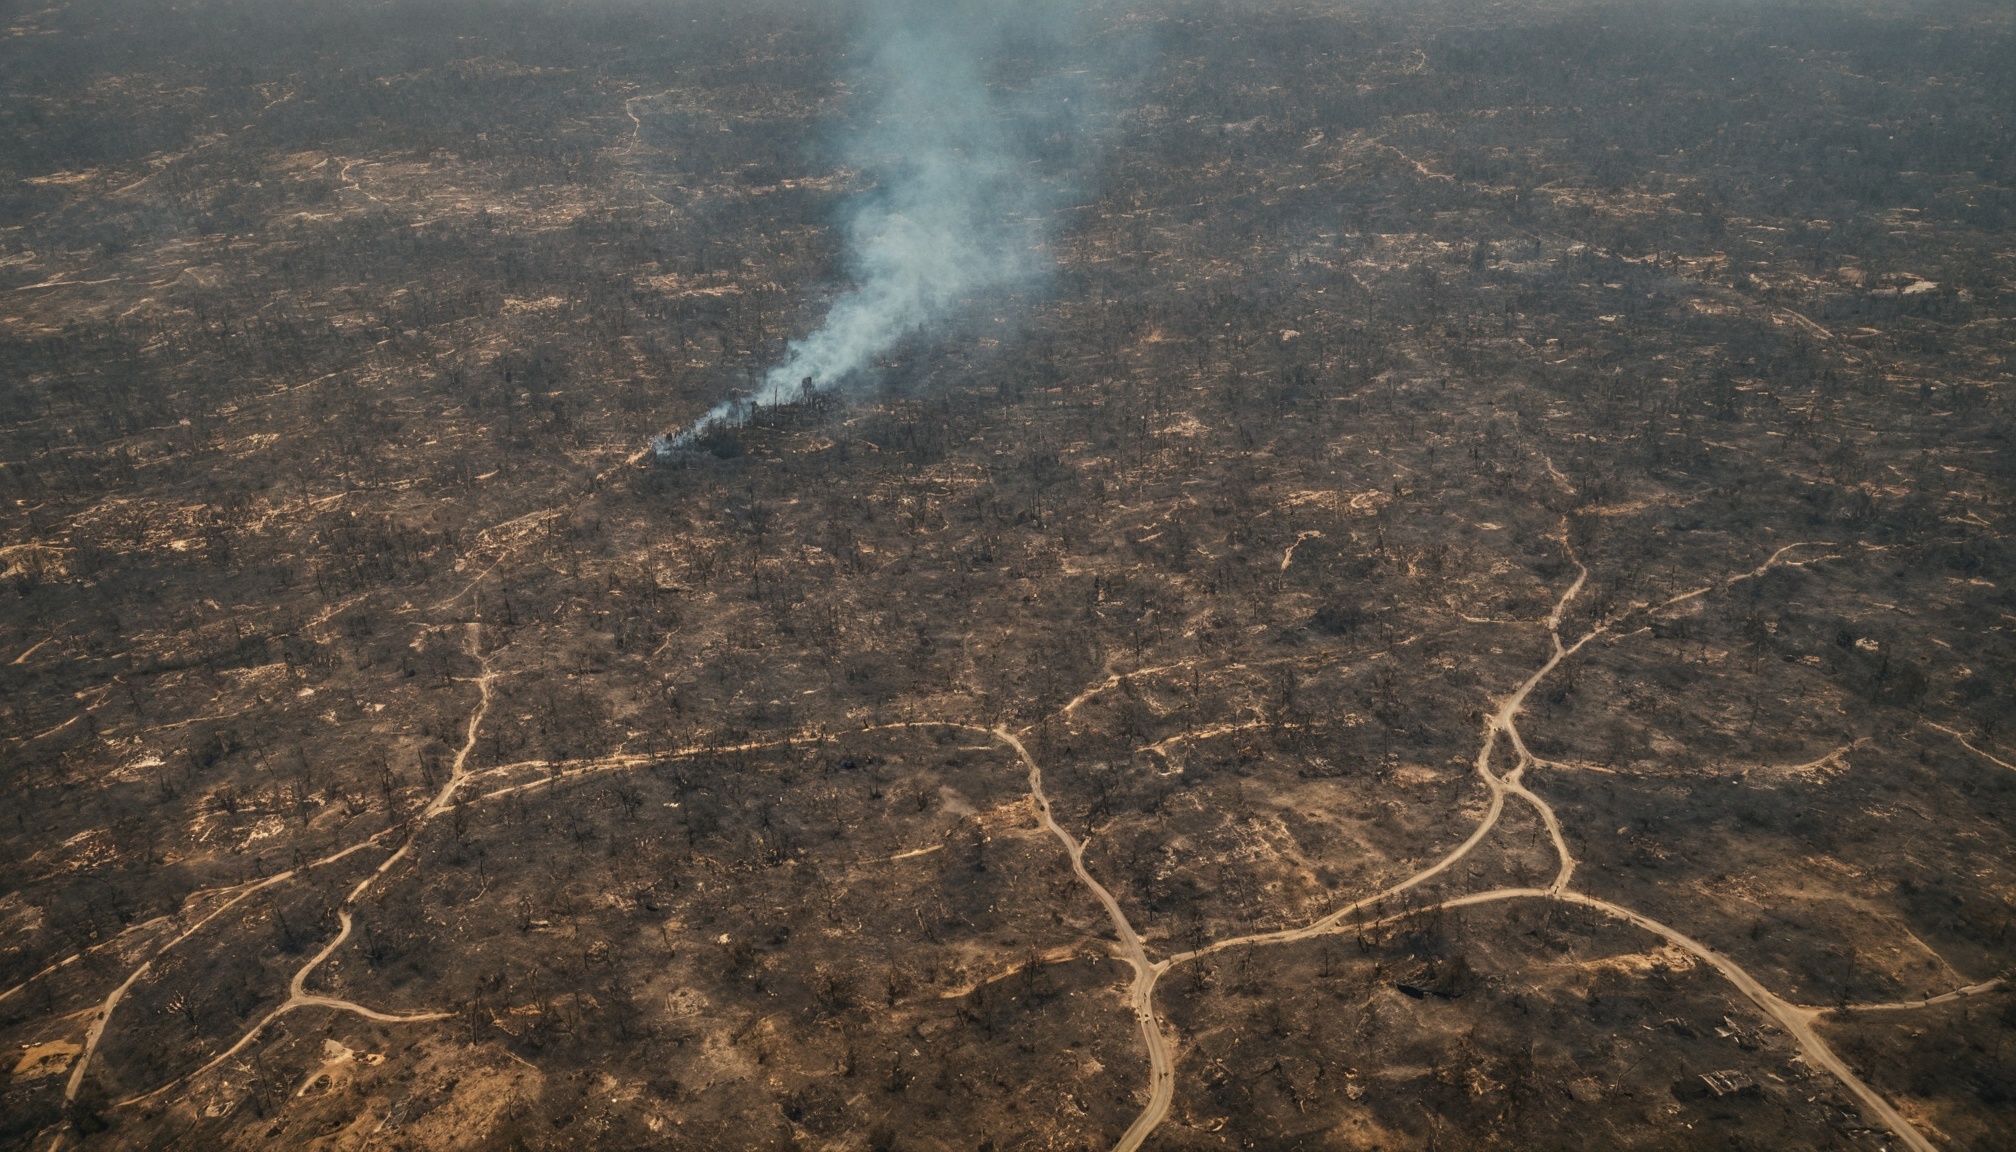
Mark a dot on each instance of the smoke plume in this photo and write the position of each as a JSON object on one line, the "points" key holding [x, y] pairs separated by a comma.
{"points": [[960, 194]]}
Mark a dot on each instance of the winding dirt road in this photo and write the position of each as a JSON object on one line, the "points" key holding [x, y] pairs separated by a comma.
{"points": [[1161, 1062], [1500, 727], [298, 996], [1796, 1020], [103, 1013]]}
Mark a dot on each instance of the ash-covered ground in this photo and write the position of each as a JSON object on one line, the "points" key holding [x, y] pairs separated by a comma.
{"points": [[1470, 608]]}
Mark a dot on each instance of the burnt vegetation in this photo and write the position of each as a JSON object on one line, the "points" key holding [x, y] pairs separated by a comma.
{"points": [[358, 656]]}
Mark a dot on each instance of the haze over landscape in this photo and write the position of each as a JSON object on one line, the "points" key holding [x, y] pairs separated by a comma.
{"points": [[873, 575]]}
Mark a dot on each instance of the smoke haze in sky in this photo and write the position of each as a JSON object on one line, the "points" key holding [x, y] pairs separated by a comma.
{"points": [[959, 200]]}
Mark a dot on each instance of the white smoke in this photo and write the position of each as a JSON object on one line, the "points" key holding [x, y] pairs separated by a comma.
{"points": [[958, 204]]}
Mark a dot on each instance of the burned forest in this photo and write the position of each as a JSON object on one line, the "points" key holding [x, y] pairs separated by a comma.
{"points": [[866, 576]]}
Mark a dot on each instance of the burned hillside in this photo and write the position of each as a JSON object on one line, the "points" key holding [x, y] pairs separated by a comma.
{"points": [[1468, 605]]}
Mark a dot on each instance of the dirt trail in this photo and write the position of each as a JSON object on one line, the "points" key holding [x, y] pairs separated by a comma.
{"points": [[1288, 557], [111, 1002], [1147, 975], [1899, 1005], [298, 995], [530, 522], [1777, 560], [1964, 743], [1162, 1065], [1111, 682], [1501, 725], [1796, 1020]]}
